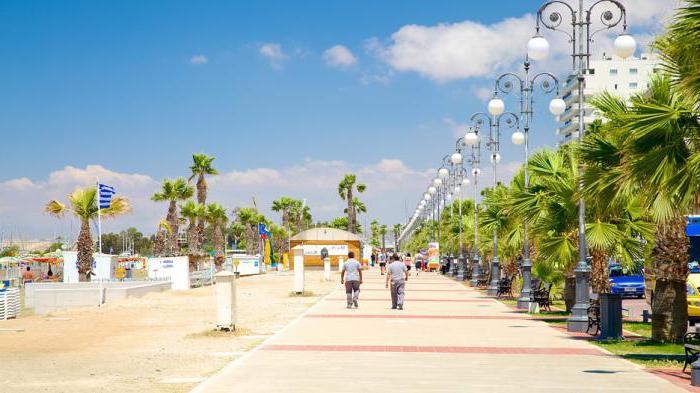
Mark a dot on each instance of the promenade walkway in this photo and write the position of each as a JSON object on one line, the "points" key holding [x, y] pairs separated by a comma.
{"points": [[449, 338]]}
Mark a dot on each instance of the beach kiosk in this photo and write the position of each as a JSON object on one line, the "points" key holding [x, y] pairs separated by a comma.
{"points": [[336, 241]]}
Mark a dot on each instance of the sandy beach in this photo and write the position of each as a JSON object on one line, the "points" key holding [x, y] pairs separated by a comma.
{"points": [[163, 342]]}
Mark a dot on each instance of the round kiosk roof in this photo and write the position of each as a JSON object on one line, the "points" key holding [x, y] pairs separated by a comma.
{"points": [[330, 234]]}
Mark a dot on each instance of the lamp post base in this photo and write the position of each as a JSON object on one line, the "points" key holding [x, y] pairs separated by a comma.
{"points": [[476, 273], [524, 303], [460, 269], [492, 290], [578, 322]]}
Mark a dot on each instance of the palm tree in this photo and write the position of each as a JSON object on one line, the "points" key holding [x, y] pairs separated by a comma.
{"points": [[284, 205], [216, 217], [249, 218], [83, 205], [201, 166], [162, 234], [382, 232], [173, 191], [193, 211], [346, 190], [374, 233], [397, 232], [660, 163]]}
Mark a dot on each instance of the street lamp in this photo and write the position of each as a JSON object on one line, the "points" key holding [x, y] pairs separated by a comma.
{"points": [[581, 37], [494, 122], [525, 87]]}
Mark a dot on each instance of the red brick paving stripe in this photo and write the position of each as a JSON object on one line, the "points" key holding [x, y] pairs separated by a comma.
{"points": [[436, 349], [424, 300], [675, 376], [413, 316]]}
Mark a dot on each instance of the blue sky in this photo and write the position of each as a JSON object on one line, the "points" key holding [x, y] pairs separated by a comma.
{"points": [[132, 88]]}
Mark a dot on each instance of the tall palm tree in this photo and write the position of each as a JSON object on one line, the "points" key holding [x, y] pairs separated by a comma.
{"points": [[173, 191], [397, 232], [162, 234], [201, 166], [249, 218], [374, 233], [193, 211], [217, 219], [660, 163], [284, 205], [346, 190], [83, 205], [383, 232]]}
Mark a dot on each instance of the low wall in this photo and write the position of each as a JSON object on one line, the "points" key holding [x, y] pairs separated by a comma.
{"points": [[49, 297]]}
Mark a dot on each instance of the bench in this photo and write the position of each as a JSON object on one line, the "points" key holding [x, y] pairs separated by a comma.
{"points": [[691, 344], [593, 319], [541, 297], [504, 287]]}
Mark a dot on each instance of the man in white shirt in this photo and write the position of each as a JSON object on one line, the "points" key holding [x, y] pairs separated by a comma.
{"points": [[398, 274], [351, 276]]}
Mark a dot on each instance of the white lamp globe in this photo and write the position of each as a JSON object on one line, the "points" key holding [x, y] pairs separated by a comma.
{"points": [[496, 106], [456, 158], [557, 106], [476, 172], [518, 138], [449, 197], [465, 182], [432, 190], [471, 138], [538, 48], [443, 173], [625, 45], [495, 158], [437, 182], [426, 197], [458, 189]]}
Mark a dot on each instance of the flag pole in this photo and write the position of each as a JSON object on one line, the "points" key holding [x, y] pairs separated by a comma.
{"points": [[99, 216]]}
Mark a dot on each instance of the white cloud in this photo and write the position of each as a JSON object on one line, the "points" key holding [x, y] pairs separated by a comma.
{"points": [[339, 56], [458, 129], [274, 53], [467, 49], [199, 59]]}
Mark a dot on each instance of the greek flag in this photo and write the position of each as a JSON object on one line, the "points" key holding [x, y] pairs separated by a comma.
{"points": [[106, 193]]}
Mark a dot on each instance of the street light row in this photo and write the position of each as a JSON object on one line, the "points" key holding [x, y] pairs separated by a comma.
{"points": [[452, 175]]}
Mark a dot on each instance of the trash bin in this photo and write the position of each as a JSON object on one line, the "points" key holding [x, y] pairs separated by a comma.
{"points": [[610, 316]]}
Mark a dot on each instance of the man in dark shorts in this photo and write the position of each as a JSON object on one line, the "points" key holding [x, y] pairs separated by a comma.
{"points": [[382, 263], [351, 276]]}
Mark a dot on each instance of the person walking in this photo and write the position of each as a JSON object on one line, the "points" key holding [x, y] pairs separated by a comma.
{"points": [[398, 275], [382, 263], [351, 276], [419, 262]]}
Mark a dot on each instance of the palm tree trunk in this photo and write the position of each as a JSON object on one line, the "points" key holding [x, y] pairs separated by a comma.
{"points": [[599, 272], [172, 247], [669, 305], [84, 251], [201, 198], [218, 240], [351, 211], [193, 238]]}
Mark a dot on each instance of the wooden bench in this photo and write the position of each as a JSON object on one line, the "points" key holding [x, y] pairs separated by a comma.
{"points": [[593, 319], [691, 344]]}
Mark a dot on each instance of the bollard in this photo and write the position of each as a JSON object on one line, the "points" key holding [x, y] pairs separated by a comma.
{"points": [[327, 269], [340, 264], [225, 292], [298, 269], [695, 373]]}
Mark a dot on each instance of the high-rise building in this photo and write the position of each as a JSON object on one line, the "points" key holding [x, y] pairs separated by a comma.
{"points": [[617, 76]]}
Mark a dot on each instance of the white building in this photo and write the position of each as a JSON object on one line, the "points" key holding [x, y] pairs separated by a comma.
{"points": [[617, 76]]}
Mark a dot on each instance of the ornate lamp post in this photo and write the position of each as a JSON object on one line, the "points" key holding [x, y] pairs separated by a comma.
{"points": [[459, 177], [525, 88], [472, 139], [493, 143], [581, 37]]}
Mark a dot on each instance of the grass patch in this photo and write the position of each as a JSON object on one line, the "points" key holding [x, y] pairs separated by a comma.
{"points": [[303, 294], [509, 302], [647, 353], [641, 328], [214, 333]]}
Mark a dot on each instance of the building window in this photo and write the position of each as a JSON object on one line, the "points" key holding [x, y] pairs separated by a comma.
{"points": [[634, 71], [613, 71], [634, 85]]}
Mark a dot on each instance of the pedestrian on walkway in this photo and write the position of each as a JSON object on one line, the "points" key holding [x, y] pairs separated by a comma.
{"points": [[382, 263], [351, 276], [398, 275], [419, 262]]}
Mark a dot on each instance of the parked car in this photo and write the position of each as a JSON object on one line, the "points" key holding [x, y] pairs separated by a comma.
{"points": [[693, 285], [625, 285]]}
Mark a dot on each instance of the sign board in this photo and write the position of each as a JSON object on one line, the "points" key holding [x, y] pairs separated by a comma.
{"points": [[333, 249], [433, 255]]}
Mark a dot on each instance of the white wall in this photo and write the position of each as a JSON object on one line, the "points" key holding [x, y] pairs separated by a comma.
{"points": [[175, 269], [103, 265]]}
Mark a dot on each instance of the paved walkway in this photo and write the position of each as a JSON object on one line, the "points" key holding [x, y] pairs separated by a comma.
{"points": [[449, 338]]}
